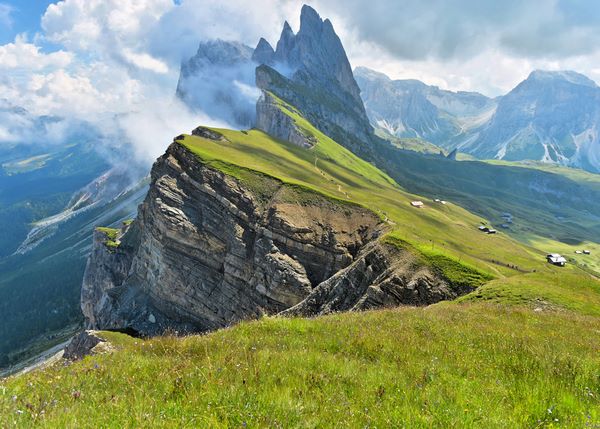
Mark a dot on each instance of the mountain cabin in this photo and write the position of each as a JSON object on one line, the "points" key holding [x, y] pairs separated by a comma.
{"points": [[556, 259]]}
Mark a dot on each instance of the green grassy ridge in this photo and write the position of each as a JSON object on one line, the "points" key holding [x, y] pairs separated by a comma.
{"points": [[443, 366], [415, 144], [576, 174], [458, 274], [446, 234], [265, 185], [564, 222], [559, 291]]}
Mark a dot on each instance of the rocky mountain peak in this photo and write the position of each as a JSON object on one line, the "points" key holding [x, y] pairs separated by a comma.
{"points": [[222, 52], [285, 44], [264, 52], [317, 51], [310, 20]]}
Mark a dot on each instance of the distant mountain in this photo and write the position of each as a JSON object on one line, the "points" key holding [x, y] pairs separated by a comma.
{"points": [[219, 81], [410, 108], [551, 116], [310, 71]]}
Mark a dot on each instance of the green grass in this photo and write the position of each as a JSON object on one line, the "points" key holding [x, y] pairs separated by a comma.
{"points": [[112, 236], [336, 173], [561, 290], [443, 366], [414, 144], [522, 350]]}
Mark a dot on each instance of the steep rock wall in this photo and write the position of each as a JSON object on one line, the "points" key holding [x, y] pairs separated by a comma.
{"points": [[207, 251]]}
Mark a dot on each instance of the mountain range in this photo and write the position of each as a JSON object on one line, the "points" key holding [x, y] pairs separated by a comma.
{"points": [[231, 228], [552, 117]]}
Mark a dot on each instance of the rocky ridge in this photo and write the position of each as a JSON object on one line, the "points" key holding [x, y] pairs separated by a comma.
{"points": [[208, 250]]}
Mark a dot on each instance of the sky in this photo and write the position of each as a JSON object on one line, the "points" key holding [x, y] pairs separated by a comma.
{"points": [[101, 58]]}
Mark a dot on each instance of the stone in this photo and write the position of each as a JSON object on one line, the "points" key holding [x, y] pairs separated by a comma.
{"points": [[85, 343]]}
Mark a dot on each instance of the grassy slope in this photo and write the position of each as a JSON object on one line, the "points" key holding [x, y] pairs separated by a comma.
{"points": [[592, 181], [453, 364], [564, 219], [444, 366], [438, 230]]}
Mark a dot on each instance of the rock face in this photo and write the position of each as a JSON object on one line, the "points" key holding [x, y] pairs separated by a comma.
{"points": [[410, 108], [208, 250], [315, 55], [381, 276], [551, 117], [310, 71], [85, 343], [272, 120], [263, 53]]}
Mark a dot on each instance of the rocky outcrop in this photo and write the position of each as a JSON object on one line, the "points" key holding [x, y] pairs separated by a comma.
{"points": [[208, 250], [85, 343], [381, 276], [272, 120]]}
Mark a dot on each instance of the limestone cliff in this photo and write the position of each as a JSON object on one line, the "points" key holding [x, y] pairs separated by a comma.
{"points": [[208, 249], [272, 120]]}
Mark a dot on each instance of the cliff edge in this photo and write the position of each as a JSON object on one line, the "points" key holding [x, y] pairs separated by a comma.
{"points": [[208, 249]]}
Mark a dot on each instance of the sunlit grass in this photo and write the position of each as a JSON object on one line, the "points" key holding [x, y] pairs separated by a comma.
{"points": [[444, 366]]}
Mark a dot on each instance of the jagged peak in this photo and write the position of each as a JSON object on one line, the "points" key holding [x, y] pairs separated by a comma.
{"points": [[309, 18], [264, 52], [263, 43], [287, 30]]}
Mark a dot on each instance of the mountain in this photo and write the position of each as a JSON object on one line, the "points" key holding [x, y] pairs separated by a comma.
{"points": [[309, 69], [410, 108], [238, 224], [219, 81], [284, 220], [551, 117]]}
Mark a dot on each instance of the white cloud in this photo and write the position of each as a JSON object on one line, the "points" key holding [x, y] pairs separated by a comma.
{"points": [[102, 25], [121, 56], [145, 61], [23, 55]]}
